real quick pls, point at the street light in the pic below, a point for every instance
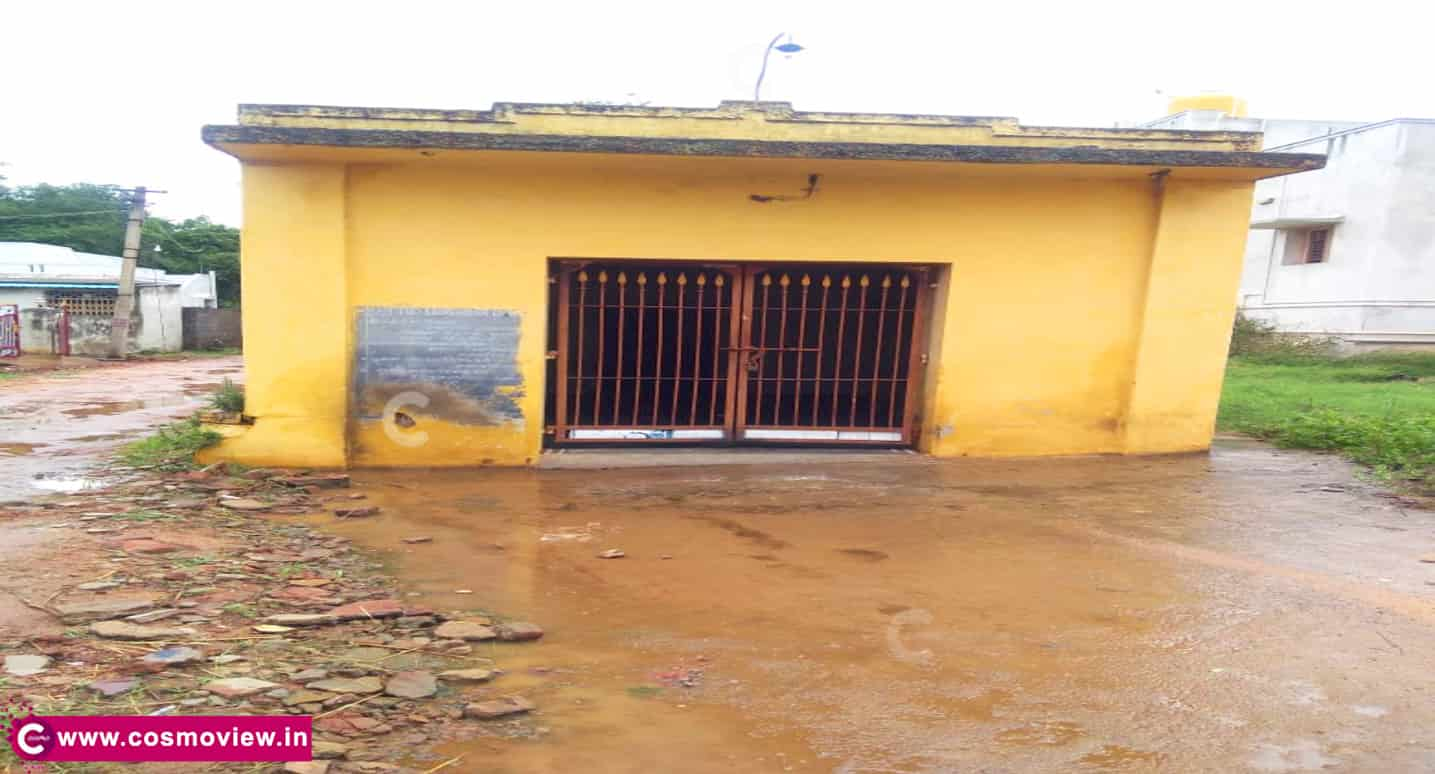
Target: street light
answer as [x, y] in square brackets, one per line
[787, 48]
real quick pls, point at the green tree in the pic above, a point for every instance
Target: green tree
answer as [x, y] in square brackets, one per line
[91, 219]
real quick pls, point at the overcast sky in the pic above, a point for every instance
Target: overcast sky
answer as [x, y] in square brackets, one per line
[116, 92]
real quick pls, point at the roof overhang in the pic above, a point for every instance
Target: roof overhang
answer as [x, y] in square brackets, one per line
[242, 141]
[282, 133]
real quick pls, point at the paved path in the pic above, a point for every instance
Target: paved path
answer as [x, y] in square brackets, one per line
[56, 428]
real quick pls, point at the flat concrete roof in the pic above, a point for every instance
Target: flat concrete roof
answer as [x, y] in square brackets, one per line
[741, 129]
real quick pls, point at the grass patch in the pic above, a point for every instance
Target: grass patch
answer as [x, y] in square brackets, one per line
[229, 397]
[172, 448]
[1377, 409]
[6, 376]
[241, 609]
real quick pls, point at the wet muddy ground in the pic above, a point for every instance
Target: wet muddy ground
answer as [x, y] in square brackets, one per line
[1251, 610]
[55, 428]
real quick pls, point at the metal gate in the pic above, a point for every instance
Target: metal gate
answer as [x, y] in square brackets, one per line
[714, 353]
[9, 330]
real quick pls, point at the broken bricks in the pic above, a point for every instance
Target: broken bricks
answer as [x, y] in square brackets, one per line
[355, 513]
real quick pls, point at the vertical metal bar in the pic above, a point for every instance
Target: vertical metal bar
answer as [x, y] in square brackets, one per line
[761, 343]
[837, 359]
[741, 326]
[857, 356]
[821, 347]
[578, 387]
[718, 283]
[897, 357]
[922, 303]
[801, 345]
[877, 356]
[622, 312]
[678, 357]
[658, 377]
[697, 352]
[602, 325]
[638, 376]
[565, 291]
[783, 284]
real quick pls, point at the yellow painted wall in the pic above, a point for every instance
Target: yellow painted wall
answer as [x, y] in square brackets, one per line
[1080, 313]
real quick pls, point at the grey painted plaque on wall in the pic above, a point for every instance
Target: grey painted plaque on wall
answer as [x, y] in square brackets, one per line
[465, 361]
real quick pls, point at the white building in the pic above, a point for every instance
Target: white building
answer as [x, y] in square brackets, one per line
[44, 279]
[1349, 250]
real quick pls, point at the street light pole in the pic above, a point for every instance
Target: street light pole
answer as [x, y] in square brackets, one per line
[787, 48]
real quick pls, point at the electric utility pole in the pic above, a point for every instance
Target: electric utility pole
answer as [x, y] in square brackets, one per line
[125, 299]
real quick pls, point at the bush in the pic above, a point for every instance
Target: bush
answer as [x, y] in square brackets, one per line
[229, 397]
[172, 448]
[1258, 339]
[1401, 447]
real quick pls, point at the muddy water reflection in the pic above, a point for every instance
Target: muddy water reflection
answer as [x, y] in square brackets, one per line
[921, 616]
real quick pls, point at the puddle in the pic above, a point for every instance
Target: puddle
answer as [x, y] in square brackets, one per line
[99, 437]
[64, 484]
[933, 622]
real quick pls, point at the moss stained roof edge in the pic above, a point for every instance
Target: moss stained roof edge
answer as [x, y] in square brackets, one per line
[221, 135]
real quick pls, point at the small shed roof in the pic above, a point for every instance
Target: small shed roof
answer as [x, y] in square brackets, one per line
[736, 129]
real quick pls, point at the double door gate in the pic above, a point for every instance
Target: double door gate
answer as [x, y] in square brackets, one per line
[757, 353]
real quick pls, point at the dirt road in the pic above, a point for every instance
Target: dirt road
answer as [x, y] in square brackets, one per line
[1250, 610]
[55, 426]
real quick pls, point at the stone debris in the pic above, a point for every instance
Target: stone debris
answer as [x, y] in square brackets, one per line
[149, 546]
[467, 675]
[465, 630]
[153, 615]
[323, 750]
[369, 608]
[411, 685]
[498, 708]
[302, 619]
[310, 582]
[108, 688]
[516, 631]
[238, 614]
[306, 697]
[322, 481]
[124, 630]
[360, 685]
[245, 504]
[101, 608]
[612, 553]
[26, 665]
[307, 767]
[356, 513]
[99, 585]
[170, 657]
[236, 687]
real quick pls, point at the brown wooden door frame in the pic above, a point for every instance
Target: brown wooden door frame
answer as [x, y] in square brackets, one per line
[744, 358]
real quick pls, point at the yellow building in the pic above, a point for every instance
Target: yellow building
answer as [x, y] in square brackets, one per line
[427, 287]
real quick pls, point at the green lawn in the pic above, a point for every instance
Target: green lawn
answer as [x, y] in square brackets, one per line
[1376, 409]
